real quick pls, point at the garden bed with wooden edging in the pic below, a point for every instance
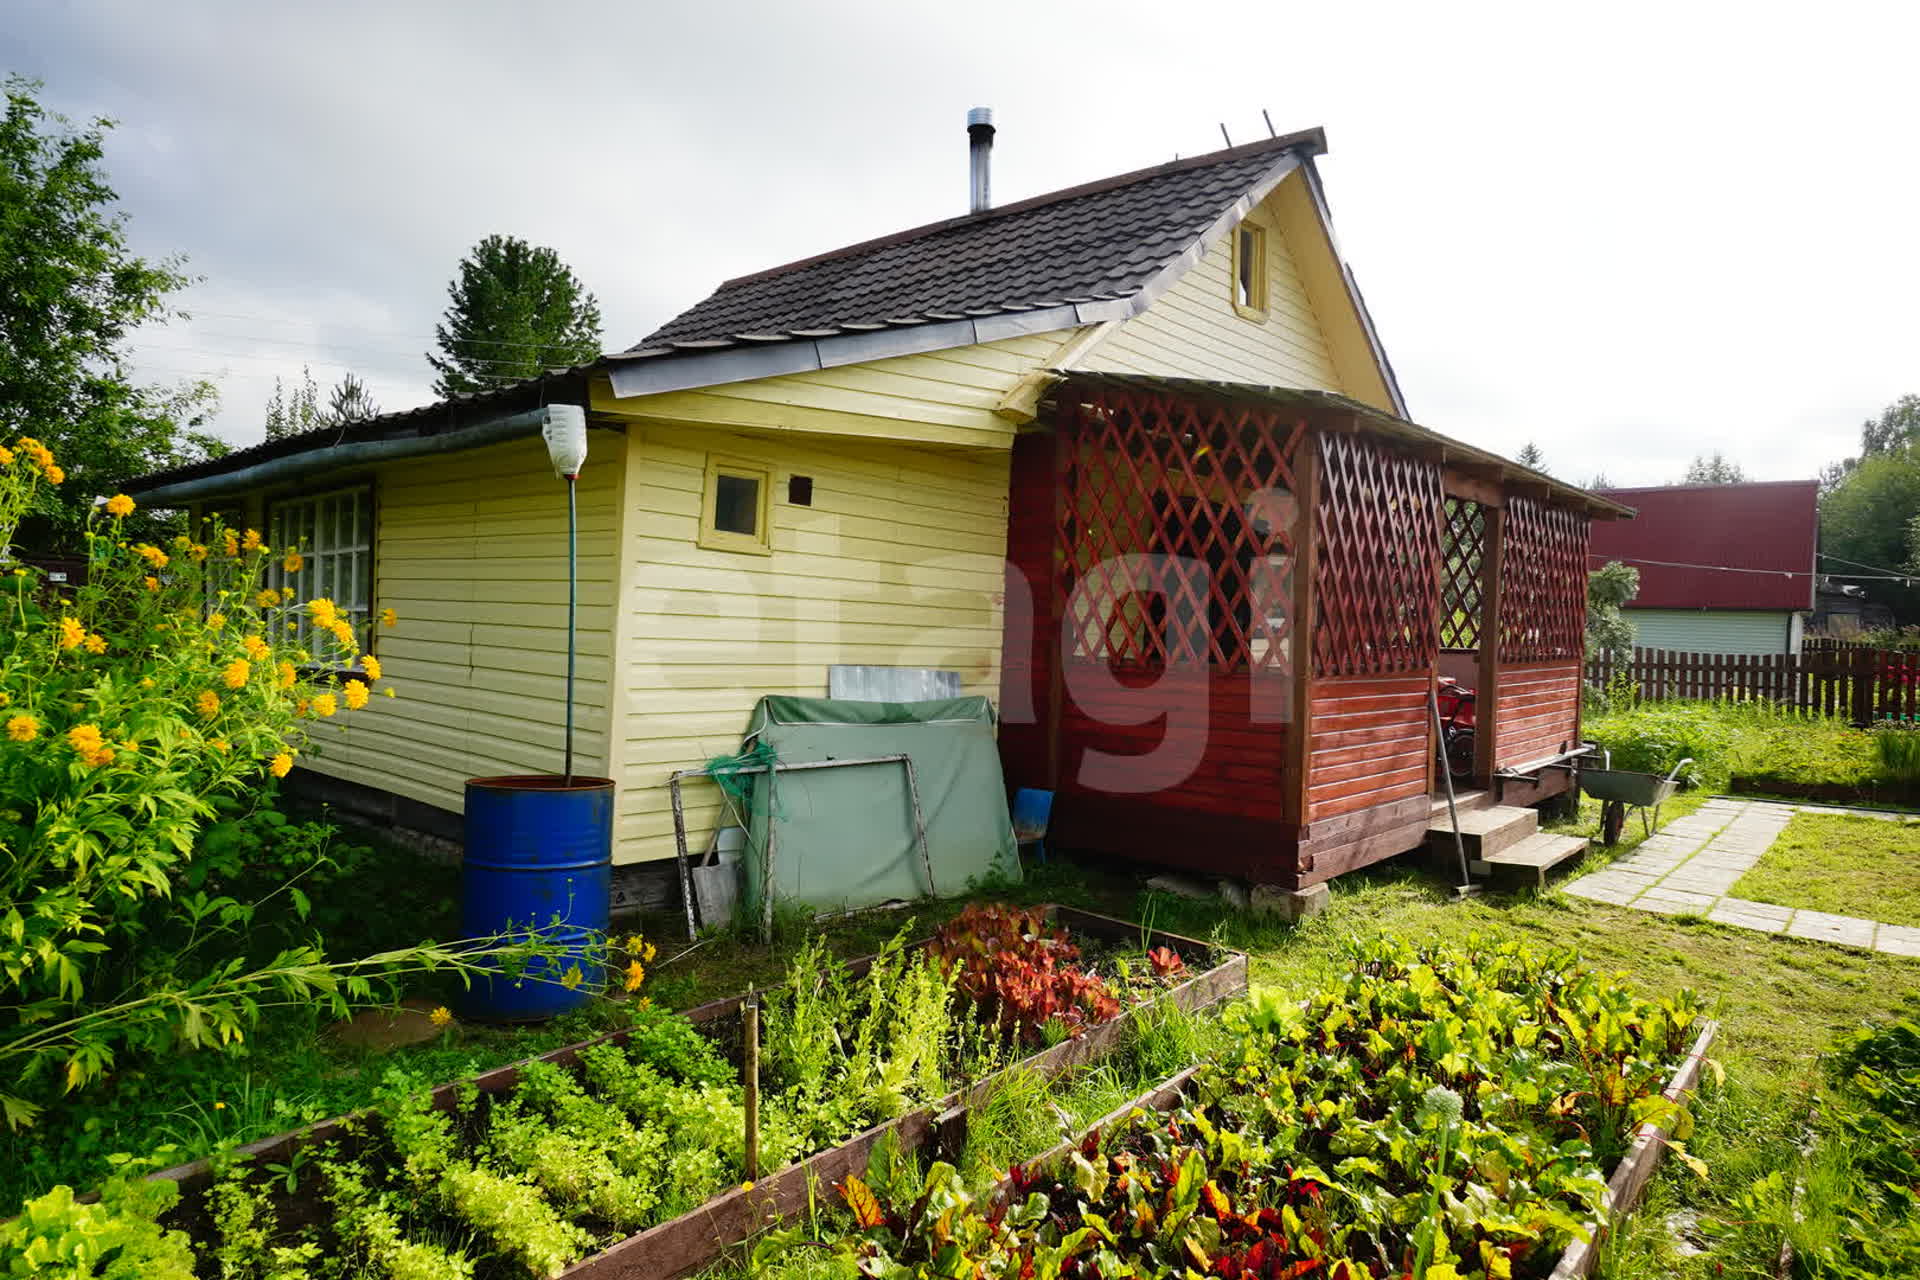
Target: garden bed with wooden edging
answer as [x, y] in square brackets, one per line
[685, 1243]
[1872, 794]
[1624, 1188]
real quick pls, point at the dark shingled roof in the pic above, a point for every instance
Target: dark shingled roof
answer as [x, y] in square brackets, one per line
[1106, 239]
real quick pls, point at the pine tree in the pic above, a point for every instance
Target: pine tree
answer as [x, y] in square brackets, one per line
[514, 310]
[290, 412]
[350, 401]
[1531, 455]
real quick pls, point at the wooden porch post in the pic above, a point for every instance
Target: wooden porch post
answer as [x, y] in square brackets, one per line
[1299, 751]
[1487, 696]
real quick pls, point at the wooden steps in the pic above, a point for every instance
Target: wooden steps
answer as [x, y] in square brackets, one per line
[1498, 836]
[1542, 851]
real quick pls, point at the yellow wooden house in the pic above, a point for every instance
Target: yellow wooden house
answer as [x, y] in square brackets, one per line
[808, 468]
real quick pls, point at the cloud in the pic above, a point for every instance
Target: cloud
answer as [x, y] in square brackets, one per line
[1629, 234]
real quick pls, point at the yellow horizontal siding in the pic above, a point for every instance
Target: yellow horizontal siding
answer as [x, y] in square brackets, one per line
[941, 397]
[1193, 331]
[471, 550]
[898, 562]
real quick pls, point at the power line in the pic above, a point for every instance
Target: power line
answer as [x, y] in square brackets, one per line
[1883, 575]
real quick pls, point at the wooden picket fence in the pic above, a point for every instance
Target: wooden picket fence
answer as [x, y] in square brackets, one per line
[1827, 677]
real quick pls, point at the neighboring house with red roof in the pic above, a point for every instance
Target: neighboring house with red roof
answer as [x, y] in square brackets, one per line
[1724, 568]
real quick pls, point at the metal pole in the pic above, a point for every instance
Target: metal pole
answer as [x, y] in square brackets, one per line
[1466, 885]
[750, 1015]
[573, 607]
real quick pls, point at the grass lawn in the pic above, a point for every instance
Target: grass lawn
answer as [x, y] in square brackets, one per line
[1779, 1002]
[1843, 864]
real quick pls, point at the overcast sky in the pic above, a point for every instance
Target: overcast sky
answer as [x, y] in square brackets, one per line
[1630, 237]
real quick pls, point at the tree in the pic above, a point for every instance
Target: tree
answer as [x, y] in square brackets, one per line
[1609, 630]
[514, 311]
[1896, 428]
[291, 411]
[350, 401]
[1599, 481]
[1714, 469]
[1531, 455]
[1867, 505]
[70, 294]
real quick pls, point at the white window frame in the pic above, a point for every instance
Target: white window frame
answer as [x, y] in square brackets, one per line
[339, 569]
[1256, 305]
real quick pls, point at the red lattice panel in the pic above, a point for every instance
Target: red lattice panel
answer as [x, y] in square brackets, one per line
[1375, 588]
[1463, 542]
[1543, 587]
[1178, 532]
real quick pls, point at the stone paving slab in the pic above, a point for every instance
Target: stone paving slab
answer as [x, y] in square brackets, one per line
[1689, 865]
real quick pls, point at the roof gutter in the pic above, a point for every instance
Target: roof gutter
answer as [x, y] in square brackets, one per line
[360, 453]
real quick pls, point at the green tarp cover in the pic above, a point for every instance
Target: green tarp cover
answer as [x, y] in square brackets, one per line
[845, 837]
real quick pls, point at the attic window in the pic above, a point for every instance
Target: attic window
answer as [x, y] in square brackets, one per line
[1250, 271]
[733, 516]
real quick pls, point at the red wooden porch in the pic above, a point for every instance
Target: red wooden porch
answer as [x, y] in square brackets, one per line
[1164, 537]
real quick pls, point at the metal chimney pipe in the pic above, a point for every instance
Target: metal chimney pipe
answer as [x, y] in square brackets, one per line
[980, 152]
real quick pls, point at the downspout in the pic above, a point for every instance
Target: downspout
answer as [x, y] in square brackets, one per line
[359, 453]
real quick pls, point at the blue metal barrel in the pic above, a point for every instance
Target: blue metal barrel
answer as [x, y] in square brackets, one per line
[539, 856]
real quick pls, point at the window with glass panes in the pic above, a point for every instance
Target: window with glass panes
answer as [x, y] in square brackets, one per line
[333, 532]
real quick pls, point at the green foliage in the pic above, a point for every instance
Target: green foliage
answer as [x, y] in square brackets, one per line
[118, 1238]
[1714, 468]
[1897, 746]
[1451, 1110]
[70, 294]
[1609, 630]
[1867, 503]
[294, 410]
[515, 310]
[1655, 737]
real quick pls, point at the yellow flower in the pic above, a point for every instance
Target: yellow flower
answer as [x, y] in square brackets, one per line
[281, 765]
[96, 643]
[324, 705]
[267, 599]
[237, 672]
[746, 1186]
[251, 542]
[23, 727]
[40, 454]
[6, 456]
[85, 738]
[323, 611]
[119, 505]
[219, 1106]
[208, 702]
[371, 665]
[151, 554]
[198, 552]
[216, 620]
[572, 977]
[146, 682]
[635, 942]
[294, 562]
[388, 691]
[256, 647]
[287, 675]
[343, 632]
[56, 476]
[301, 707]
[6, 699]
[388, 618]
[636, 974]
[153, 584]
[649, 953]
[229, 543]
[440, 1017]
[72, 634]
[221, 745]
[356, 695]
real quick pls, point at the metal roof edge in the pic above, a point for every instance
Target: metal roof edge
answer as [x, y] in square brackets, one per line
[634, 374]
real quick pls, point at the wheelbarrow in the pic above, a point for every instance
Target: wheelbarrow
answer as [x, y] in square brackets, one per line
[1618, 788]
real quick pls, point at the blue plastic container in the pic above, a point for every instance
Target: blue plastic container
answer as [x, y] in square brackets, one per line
[539, 856]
